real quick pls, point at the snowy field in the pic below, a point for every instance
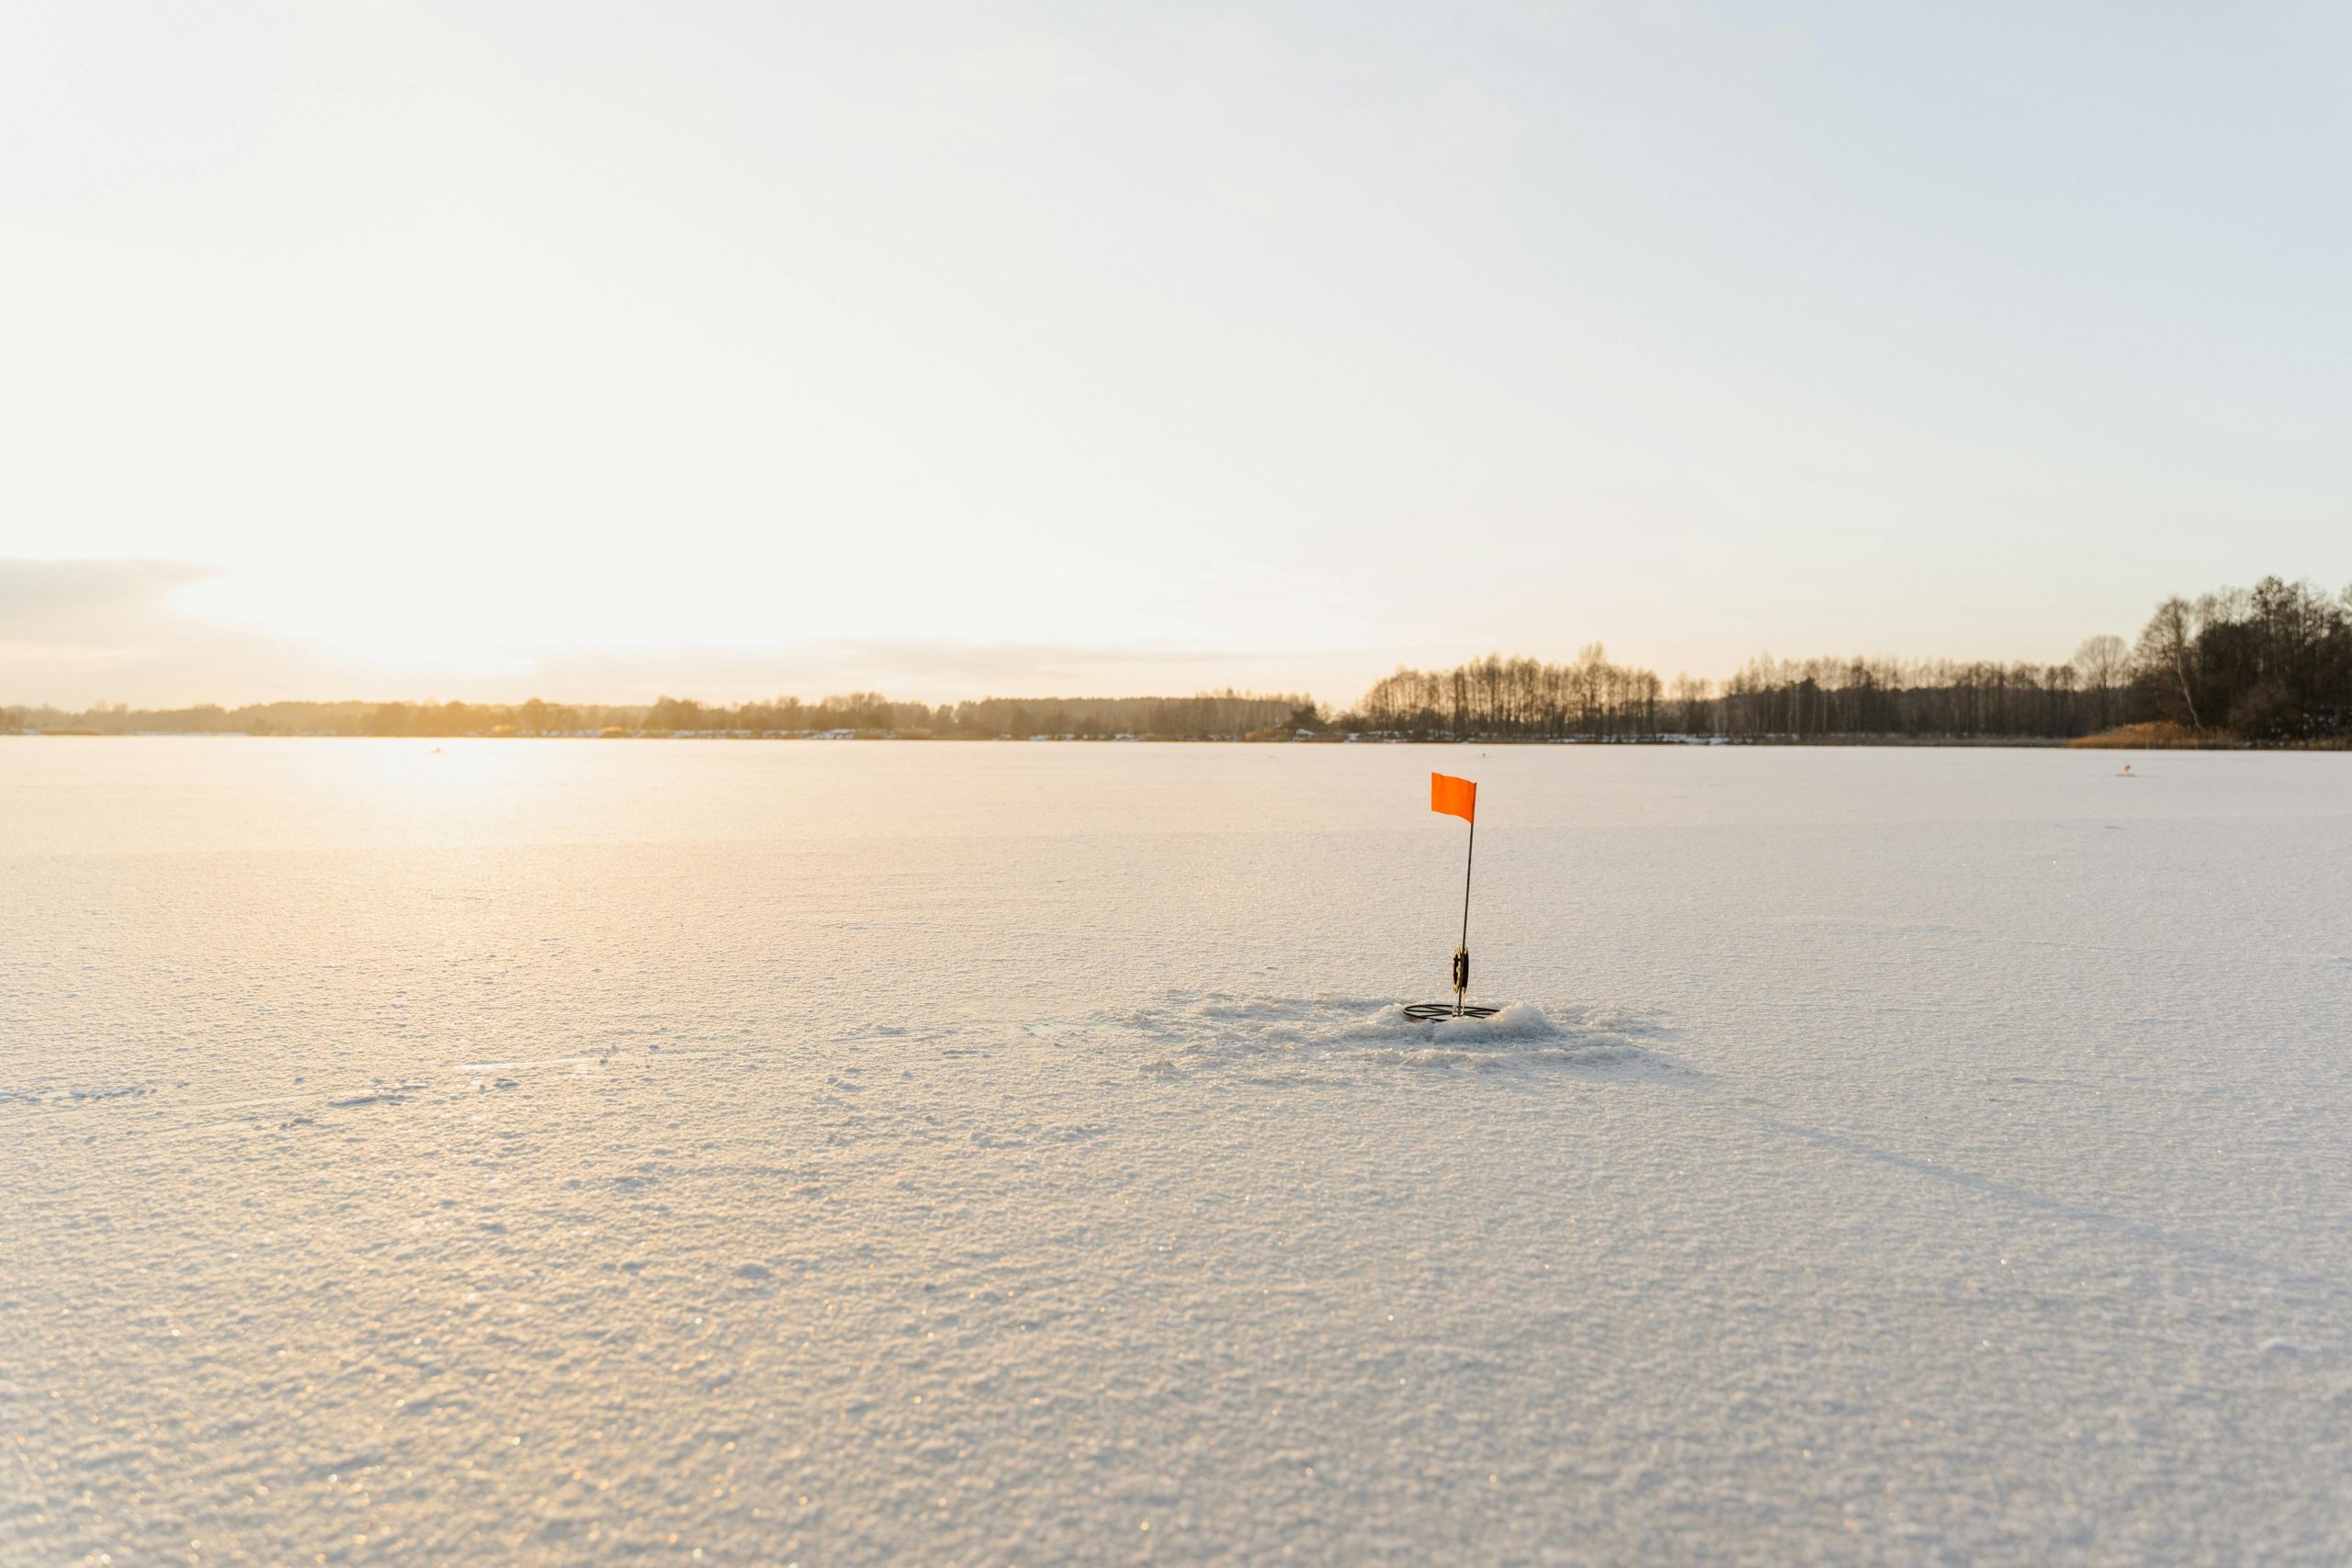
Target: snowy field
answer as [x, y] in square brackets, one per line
[845, 1154]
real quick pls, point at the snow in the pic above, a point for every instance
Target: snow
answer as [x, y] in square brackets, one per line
[1274, 1034]
[550, 1151]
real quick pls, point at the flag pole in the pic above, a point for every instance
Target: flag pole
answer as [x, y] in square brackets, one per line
[1470, 856]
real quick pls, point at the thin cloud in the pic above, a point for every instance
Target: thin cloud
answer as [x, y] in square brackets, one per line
[93, 604]
[76, 632]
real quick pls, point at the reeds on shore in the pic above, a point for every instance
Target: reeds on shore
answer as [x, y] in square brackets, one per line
[2165, 736]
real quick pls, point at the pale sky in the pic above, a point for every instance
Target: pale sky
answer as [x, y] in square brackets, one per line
[587, 350]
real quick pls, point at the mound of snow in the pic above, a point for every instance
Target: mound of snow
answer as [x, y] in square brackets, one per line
[1511, 1021]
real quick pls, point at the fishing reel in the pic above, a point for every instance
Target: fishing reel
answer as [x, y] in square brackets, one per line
[1429, 1012]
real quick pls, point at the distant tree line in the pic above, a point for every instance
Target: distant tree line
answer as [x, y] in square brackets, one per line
[2266, 665]
[1921, 700]
[1515, 698]
[343, 718]
[1210, 715]
[2269, 663]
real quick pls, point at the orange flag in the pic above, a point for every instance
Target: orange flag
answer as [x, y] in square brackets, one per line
[1455, 797]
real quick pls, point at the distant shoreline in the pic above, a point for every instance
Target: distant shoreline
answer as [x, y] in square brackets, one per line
[1945, 742]
[2264, 669]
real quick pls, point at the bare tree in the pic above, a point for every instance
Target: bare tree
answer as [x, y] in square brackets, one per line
[2169, 653]
[2104, 662]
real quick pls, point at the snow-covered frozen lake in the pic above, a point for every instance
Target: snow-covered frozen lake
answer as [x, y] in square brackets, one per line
[982, 1153]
